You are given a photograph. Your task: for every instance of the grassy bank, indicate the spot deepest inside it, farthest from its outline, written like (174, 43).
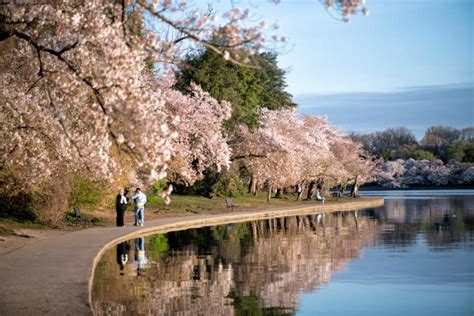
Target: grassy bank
(182, 204)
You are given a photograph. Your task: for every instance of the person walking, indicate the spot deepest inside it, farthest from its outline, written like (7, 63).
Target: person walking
(140, 200)
(121, 204)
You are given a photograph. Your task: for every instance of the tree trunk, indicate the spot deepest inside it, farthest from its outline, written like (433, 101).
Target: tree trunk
(253, 189)
(343, 188)
(311, 189)
(253, 185)
(355, 188)
(300, 194)
(269, 195)
(321, 185)
(278, 194)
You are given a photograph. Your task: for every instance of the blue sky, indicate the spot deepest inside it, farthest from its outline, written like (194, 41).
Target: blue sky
(409, 63)
(360, 71)
(416, 108)
(402, 43)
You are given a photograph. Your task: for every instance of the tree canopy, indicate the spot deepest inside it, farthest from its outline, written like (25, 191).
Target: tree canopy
(246, 88)
(85, 91)
(439, 142)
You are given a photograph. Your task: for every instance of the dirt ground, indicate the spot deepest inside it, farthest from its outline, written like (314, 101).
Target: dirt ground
(23, 237)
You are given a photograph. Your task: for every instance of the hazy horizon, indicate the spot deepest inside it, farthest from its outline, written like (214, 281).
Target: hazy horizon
(416, 108)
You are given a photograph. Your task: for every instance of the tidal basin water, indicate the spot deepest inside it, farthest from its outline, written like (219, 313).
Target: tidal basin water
(413, 256)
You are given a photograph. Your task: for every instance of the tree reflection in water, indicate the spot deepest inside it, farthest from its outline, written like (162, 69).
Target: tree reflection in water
(261, 267)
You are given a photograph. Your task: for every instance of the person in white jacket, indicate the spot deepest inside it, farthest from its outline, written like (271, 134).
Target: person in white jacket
(140, 200)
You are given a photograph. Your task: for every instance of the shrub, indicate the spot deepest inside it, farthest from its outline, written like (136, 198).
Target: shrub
(87, 191)
(229, 185)
(202, 187)
(423, 155)
(159, 186)
(43, 204)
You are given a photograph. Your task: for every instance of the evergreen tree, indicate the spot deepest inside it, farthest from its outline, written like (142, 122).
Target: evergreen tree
(246, 88)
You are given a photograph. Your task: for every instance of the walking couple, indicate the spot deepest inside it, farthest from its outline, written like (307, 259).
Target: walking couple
(121, 205)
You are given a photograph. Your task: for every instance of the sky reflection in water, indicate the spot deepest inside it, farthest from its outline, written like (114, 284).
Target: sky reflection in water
(410, 257)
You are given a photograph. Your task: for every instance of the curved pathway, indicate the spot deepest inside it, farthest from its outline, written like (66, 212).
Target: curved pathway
(53, 276)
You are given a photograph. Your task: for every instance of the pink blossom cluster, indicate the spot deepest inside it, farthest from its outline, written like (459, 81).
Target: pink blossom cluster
(406, 173)
(200, 143)
(286, 150)
(76, 98)
(346, 8)
(79, 94)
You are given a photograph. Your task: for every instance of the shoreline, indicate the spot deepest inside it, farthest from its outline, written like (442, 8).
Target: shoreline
(55, 275)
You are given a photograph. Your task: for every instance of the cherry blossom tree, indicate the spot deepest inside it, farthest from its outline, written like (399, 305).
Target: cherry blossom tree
(357, 165)
(199, 143)
(406, 173)
(269, 153)
(319, 162)
(78, 98)
(76, 94)
(286, 150)
(467, 176)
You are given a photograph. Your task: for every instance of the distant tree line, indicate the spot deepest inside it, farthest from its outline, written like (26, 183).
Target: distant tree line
(439, 142)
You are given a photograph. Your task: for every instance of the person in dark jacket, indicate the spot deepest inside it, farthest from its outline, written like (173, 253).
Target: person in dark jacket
(121, 204)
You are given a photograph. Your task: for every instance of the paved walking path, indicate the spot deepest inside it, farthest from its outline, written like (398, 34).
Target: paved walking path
(53, 276)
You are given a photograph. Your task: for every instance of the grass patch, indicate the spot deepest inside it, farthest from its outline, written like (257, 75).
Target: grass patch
(21, 224)
(4, 231)
(71, 219)
(199, 204)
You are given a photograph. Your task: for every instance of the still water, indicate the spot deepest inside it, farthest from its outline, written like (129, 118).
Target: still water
(413, 256)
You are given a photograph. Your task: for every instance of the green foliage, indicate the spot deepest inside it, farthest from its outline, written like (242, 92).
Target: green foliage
(251, 305)
(230, 185)
(246, 305)
(386, 154)
(6, 231)
(19, 206)
(154, 199)
(20, 223)
(159, 186)
(158, 246)
(16, 203)
(203, 187)
(87, 191)
(245, 88)
(391, 143)
(71, 219)
(438, 140)
(423, 155)
(469, 153)
(456, 151)
(273, 96)
(462, 151)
